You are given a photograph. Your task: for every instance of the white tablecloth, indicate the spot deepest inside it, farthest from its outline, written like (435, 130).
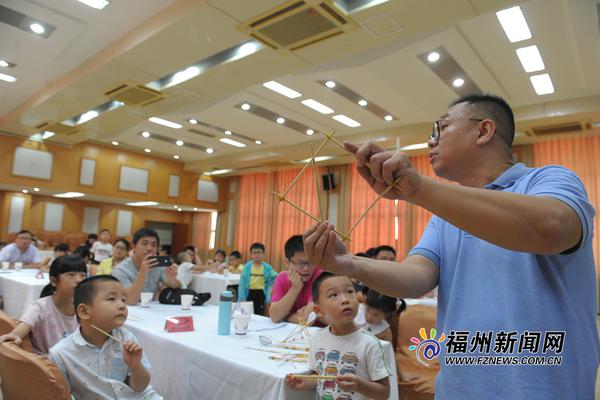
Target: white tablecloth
(213, 283)
(19, 289)
(204, 365)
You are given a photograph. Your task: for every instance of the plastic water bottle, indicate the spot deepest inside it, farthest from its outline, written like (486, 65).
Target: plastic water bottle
(225, 312)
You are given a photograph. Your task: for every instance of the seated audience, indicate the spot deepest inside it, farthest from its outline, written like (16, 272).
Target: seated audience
(22, 250)
(61, 249)
(92, 237)
(120, 249)
(385, 252)
(256, 280)
(217, 264)
(185, 269)
(235, 262)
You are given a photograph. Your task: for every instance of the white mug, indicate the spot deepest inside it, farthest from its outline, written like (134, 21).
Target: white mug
(186, 301)
(18, 266)
(5, 264)
(146, 298)
(240, 323)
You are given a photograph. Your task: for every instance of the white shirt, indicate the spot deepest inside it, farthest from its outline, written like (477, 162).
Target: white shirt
(101, 251)
(184, 274)
(358, 353)
(98, 373)
(12, 254)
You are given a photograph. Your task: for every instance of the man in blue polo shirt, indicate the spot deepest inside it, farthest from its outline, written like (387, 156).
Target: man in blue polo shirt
(510, 249)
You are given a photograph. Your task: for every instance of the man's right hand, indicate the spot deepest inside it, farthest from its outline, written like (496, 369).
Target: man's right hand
(149, 262)
(324, 248)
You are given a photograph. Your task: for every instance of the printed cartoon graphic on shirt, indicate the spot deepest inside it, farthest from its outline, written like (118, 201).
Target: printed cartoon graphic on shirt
(334, 363)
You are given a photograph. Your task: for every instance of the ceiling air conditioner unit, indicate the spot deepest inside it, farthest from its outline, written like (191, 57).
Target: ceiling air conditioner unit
(557, 129)
(134, 94)
(296, 24)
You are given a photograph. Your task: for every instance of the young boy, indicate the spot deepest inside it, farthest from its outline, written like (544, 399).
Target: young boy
(292, 292)
(235, 262)
(257, 280)
(342, 349)
(102, 249)
(95, 365)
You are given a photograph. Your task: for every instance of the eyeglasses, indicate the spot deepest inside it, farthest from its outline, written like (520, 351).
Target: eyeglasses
(300, 264)
(257, 252)
(436, 131)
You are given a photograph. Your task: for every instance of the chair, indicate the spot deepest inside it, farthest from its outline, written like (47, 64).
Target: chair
(7, 324)
(25, 375)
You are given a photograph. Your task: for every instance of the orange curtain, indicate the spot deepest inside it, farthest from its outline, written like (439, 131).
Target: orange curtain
(254, 205)
(581, 156)
(420, 216)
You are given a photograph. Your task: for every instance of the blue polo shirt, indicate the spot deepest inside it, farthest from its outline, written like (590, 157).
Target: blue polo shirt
(494, 302)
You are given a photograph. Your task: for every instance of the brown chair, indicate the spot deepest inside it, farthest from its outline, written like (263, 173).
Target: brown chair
(25, 375)
(409, 323)
(7, 324)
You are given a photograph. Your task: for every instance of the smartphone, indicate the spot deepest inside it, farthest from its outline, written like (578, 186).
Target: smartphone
(163, 261)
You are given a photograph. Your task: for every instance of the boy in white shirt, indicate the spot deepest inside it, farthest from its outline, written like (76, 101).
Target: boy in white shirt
(342, 349)
(95, 365)
(102, 249)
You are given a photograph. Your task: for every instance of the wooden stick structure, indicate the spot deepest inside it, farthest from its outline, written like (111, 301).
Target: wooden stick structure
(315, 377)
(314, 168)
(106, 333)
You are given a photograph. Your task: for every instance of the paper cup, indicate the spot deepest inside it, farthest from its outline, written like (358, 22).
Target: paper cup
(18, 266)
(186, 301)
(225, 271)
(240, 323)
(247, 307)
(146, 298)
(5, 264)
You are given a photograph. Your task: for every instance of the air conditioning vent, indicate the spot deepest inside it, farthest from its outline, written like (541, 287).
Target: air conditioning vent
(556, 129)
(296, 24)
(134, 94)
(57, 128)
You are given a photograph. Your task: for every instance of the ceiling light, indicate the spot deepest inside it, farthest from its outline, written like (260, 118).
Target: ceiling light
(195, 209)
(330, 84)
(25, 191)
(146, 134)
(175, 206)
(115, 143)
(315, 105)
(232, 142)
(3, 63)
(47, 134)
(36, 189)
(42, 135)
(458, 82)
(228, 132)
(257, 142)
(69, 195)
(346, 120)
(179, 209)
(7, 78)
(530, 58)
(281, 89)
(37, 28)
(164, 122)
(179, 143)
(209, 150)
(182, 76)
(87, 116)
(218, 172)
(388, 118)
(148, 150)
(417, 146)
(248, 48)
(514, 24)
(310, 132)
(176, 157)
(433, 56)
(193, 121)
(362, 102)
(280, 120)
(142, 203)
(97, 4)
(245, 106)
(542, 84)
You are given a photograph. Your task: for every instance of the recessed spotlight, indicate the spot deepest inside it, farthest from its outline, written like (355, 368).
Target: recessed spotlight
(176, 157)
(193, 121)
(179, 143)
(37, 28)
(245, 106)
(25, 191)
(3, 63)
(280, 120)
(310, 132)
(209, 150)
(148, 150)
(228, 132)
(7, 78)
(115, 143)
(36, 189)
(146, 134)
(362, 102)
(433, 56)
(165, 122)
(330, 84)
(388, 118)
(458, 82)
(257, 142)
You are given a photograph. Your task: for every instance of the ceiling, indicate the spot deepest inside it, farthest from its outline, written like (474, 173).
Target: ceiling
(141, 41)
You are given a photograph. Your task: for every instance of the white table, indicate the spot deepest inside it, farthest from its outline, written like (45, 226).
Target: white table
(19, 289)
(202, 364)
(46, 253)
(213, 283)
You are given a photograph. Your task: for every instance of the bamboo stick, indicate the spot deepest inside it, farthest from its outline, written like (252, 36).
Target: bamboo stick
(315, 377)
(314, 168)
(106, 333)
